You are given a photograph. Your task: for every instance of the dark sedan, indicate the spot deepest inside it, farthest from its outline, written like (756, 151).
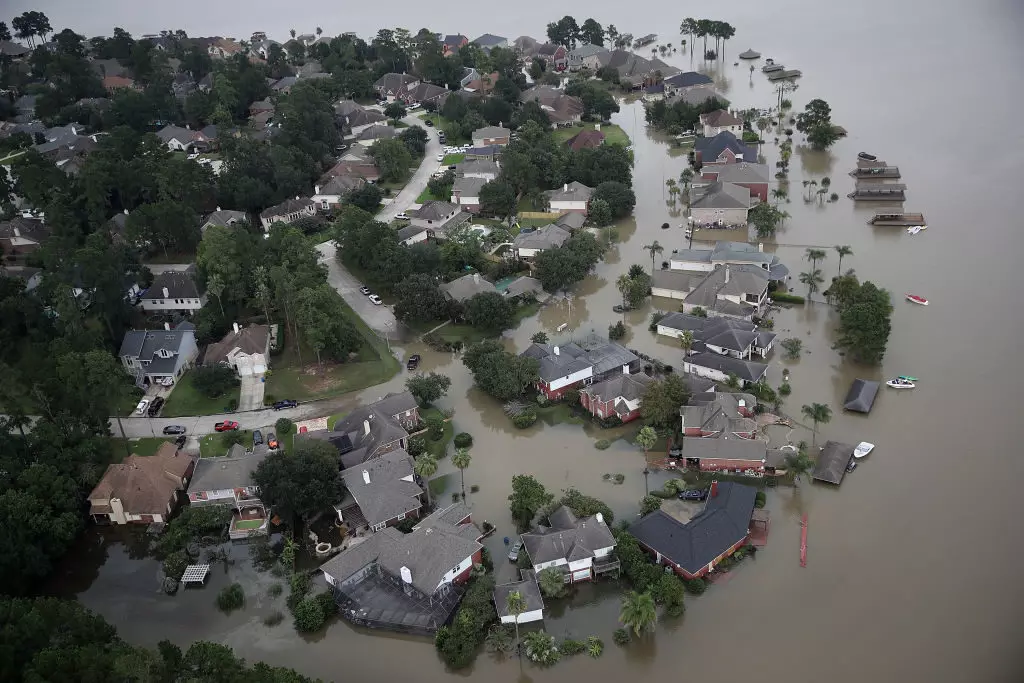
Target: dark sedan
(155, 406)
(413, 362)
(286, 403)
(171, 430)
(693, 494)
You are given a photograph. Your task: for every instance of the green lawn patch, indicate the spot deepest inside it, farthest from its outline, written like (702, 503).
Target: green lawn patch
(126, 406)
(613, 135)
(559, 413)
(427, 196)
(186, 400)
(216, 445)
(438, 448)
(148, 445)
(450, 159)
(302, 382)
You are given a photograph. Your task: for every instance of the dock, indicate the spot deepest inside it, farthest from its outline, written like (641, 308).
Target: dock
(803, 541)
(770, 68)
(880, 192)
(784, 74)
(897, 219)
(876, 173)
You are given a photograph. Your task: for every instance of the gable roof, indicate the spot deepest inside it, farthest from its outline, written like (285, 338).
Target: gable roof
(429, 553)
(357, 444)
(712, 148)
(24, 229)
(469, 187)
(567, 538)
(557, 361)
(394, 83)
(627, 387)
(436, 209)
(467, 286)
(861, 396)
(145, 485)
(719, 118)
(491, 132)
(722, 523)
(180, 284)
(527, 587)
(490, 40)
(224, 217)
(542, 238)
(571, 220)
(725, 281)
(748, 371)
(688, 79)
(697, 95)
(571, 192)
(212, 474)
(739, 172)
(378, 132)
(144, 345)
(586, 50)
(718, 195)
(477, 166)
(250, 340)
(832, 461)
(586, 139)
(384, 487)
(286, 207)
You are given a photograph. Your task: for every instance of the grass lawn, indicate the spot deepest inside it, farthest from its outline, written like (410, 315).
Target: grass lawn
(427, 196)
(613, 135)
(186, 400)
(216, 445)
(438, 448)
(374, 364)
(450, 159)
(468, 334)
(126, 406)
(558, 413)
(146, 447)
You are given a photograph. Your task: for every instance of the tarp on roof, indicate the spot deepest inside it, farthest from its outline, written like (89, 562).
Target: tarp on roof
(861, 396)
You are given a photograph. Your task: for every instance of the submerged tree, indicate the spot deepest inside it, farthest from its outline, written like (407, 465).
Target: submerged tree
(638, 612)
(818, 413)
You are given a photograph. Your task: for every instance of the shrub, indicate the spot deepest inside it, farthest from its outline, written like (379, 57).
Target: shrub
(695, 586)
(542, 400)
(231, 406)
(214, 380)
(463, 440)
(525, 419)
(649, 504)
(175, 564)
(619, 478)
(571, 397)
(662, 495)
(435, 426)
(760, 499)
(275, 590)
(621, 636)
(583, 505)
(785, 389)
(570, 647)
(273, 619)
(327, 603)
(474, 488)
(616, 331)
(595, 646)
(417, 445)
(231, 598)
(309, 616)
(602, 445)
(284, 427)
(540, 648)
(786, 298)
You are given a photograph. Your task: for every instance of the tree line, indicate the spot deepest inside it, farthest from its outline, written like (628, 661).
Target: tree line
(721, 31)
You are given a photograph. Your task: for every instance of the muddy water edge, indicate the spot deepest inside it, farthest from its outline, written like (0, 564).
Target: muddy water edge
(912, 562)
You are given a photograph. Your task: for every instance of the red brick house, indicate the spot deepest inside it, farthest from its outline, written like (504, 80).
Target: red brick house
(720, 434)
(142, 489)
(693, 549)
(570, 366)
(752, 176)
(453, 43)
(619, 395)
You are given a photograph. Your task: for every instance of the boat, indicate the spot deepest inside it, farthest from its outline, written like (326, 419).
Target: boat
(907, 378)
(866, 156)
(915, 299)
(900, 384)
(851, 466)
(862, 449)
(914, 229)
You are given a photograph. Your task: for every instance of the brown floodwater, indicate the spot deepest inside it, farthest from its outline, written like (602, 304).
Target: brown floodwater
(913, 563)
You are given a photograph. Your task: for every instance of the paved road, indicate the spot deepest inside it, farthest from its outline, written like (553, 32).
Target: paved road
(379, 318)
(407, 197)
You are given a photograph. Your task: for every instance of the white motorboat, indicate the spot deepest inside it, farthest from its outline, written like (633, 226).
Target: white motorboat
(862, 449)
(900, 384)
(914, 229)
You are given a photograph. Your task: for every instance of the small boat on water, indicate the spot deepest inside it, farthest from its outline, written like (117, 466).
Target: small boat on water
(915, 299)
(862, 449)
(866, 156)
(914, 229)
(900, 384)
(851, 466)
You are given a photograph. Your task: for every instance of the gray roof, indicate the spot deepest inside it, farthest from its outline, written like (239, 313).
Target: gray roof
(377, 132)
(572, 358)
(748, 371)
(490, 132)
(341, 184)
(567, 537)
(725, 448)
(688, 79)
(586, 50)
(249, 340)
(546, 237)
(861, 396)
(180, 284)
(286, 207)
(718, 195)
(571, 220)
(720, 117)
(25, 228)
(722, 523)
(395, 404)
(676, 280)
(832, 461)
(212, 474)
(350, 431)
(749, 54)
(466, 287)
(490, 40)
(346, 563)
(429, 553)
(455, 519)
(523, 285)
(737, 253)
(469, 187)
(409, 231)
(711, 148)
(698, 95)
(391, 491)
(144, 345)
(477, 166)
(12, 49)
(284, 83)
(728, 280)
(225, 217)
(571, 192)
(740, 172)
(628, 387)
(527, 588)
(435, 210)
(182, 135)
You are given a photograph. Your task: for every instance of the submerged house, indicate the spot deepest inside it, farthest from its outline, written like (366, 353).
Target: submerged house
(142, 489)
(570, 366)
(380, 493)
(579, 548)
(618, 396)
(371, 431)
(861, 396)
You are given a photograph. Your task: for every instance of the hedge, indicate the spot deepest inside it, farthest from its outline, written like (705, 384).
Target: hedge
(786, 298)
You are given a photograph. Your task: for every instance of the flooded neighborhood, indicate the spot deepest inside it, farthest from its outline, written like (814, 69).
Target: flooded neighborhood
(904, 571)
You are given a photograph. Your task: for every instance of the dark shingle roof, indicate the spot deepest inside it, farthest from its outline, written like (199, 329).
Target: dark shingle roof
(861, 396)
(391, 490)
(568, 538)
(225, 473)
(688, 79)
(745, 370)
(180, 284)
(527, 588)
(832, 462)
(711, 148)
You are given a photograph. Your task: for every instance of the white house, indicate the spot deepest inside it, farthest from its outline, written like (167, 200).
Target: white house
(331, 193)
(719, 121)
(151, 356)
(287, 211)
(247, 350)
(176, 138)
(574, 196)
(579, 548)
(174, 290)
(724, 336)
(586, 56)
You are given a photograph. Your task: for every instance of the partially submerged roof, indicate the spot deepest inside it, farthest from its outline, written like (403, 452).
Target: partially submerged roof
(832, 462)
(568, 537)
(527, 588)
(861, 396)
(745, 370)
(719, 195)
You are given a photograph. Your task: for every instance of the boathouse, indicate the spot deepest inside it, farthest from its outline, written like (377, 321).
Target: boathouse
(832, 462)
(861, 396)
(885, 192)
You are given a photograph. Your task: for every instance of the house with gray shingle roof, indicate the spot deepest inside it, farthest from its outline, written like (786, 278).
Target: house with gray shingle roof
(586, 56)
(153, 355)
(380, 492)
(223, 217)
(746, 174)
(574, 546)
(720, 120)
(466, 287)
(567, 366)
(719, 203)
(574, 196)
(722, 335)
(394, 86)
(718, 368)
(529, 244)
(174, 291)
(438, 217)
(288, 211)
(466, 192)
(735, 253)
(489, 41)
(491, 135)
(529, 591)
(618, 396)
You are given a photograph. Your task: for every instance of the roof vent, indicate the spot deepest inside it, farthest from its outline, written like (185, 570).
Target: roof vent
(366, 477)
(406, 574)
(600, 518)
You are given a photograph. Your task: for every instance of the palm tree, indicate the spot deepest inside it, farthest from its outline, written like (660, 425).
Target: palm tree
(461, 459)
(638, 612)
(425, 468)
(842, 250)
(646, 439)
(623, 283)
(292, 32)
(686, 341)
(811, 184)
(817, 413)
(811, 278)
(498, 639)
(654, 248)
(778, 194)
(815, 255)
(551, 582)
(799, 463)
(727, 32)
(516, 605)
(319, 31)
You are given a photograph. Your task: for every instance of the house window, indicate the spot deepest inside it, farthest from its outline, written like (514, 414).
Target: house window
(401, 517)
(378, 527)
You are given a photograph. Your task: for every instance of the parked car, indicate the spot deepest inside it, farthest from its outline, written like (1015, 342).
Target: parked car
(693, 494)
(440, 158)
(375, 300)
(364, 290)
(517, 547)
(174, 429)
(402, 216)
(155, 406)
(272, 441)
(193, 156)
(257, 438)
(181, 441)
(428, 123)
(167, 382)
(452, 167)
(141, 408)
(226, 426)
(414, 106)
(285, 403)
(413, 362)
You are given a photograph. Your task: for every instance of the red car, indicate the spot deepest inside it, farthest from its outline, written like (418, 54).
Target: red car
(228, 426)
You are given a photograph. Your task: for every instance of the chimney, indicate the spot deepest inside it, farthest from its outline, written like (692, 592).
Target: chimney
(316, 189)
(406, 574)
(297, 198)
(366, 427)
(600, 518)
(218, 208)
(726, 273)
(235, 327)
(366, 476)
(565, 187)
(476, 278)
(760, 246)
(17, 231)
(167, 293)
(714, 489)
(556, 350)
(625, 369)
(167, 326)
(126, 212)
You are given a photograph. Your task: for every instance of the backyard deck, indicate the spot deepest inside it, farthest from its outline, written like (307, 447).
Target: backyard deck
(375, 602)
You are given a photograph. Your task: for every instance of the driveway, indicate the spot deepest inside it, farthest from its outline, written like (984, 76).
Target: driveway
(251, 396)
(407, 197)
(380, 318)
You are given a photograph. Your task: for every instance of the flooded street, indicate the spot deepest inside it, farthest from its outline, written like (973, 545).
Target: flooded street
(913, 563)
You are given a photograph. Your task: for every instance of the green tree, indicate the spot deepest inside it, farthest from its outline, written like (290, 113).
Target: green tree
(552, 582)
(425, 467)
(498, 198)
(418, 299)
(526, 500)
(515, 604)
(865, 319)
(489, 311)
(320, 317)
(428, 388)
(792, 346)
(842, 250)
(461, 459)
(395, 110)
(499, 373)
(649, 504)
(646, 439)
(686, 341)
(654, 249)
(599, 212)
(638, 612)
(561, 267)
(661, 401)
(798, 463)
(539, 338)
(620, 198)
(812, 278)
(818, 413)
(814, 255)
(392, 158)
(303, 482)
(592, 32)
(766, 219)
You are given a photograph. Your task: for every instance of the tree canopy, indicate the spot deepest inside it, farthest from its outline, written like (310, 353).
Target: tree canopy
(561, 267)
(303, 482)
(501, 374)
(865, 322)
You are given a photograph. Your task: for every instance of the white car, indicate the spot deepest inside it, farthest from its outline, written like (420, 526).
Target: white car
(143, 405)
(375, 300)
(414, 106)
(440, 157)
(167, 381)
(193, 155)
(402, 216)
